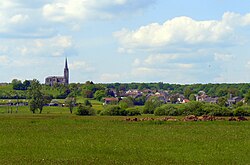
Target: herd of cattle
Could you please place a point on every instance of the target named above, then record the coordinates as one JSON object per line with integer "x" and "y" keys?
{"x": 189, "y": 118}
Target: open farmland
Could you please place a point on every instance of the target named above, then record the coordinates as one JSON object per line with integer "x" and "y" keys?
{"x": 62, "y": 138}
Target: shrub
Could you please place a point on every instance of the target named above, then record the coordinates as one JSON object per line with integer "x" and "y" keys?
{"x": 123, "y": 104}
{"x": 114, "y": 110}
{"x": 135, "y": 111}
{"x": 160, "y": 111}
{"x": 98, "y": 111}
{"x": 151, "y": 104}
{"x": 86, "y": 102}
{"x": 167, "y": 110}
{"x": 242, "y": 111}
{"x": 126, "y": 103}
{"x": 85, "y": 110}
{"x": 223, "y": 111}
{"x": 210, "y": 109}
{"x": 194, "y": 108}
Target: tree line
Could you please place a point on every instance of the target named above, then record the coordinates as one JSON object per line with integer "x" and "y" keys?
{"x": 97, "y": 91}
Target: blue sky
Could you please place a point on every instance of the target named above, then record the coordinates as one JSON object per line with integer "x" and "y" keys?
{"x": 126, "y": 40}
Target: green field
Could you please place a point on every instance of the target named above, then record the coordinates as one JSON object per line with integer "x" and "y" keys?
{"x": 57, "y": 137}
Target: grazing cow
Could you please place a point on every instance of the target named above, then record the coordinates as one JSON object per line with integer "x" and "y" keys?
{"x": 232, "y": 119}
{"x": 172, "y": 119}
{"x": 220, "y": 118}
{"x": 206, "y": 118}
{"x": 190, "y": 118}
{"x": 200, "y": 118}
{"x": 127, "y": 119}
{"x": 135, "y": 119}
{"x": 241, "y": 118}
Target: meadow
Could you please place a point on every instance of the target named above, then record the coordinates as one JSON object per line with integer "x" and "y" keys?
{"x": 57, "y": 137}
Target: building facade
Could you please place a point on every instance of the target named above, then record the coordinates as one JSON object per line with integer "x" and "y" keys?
{"x": 62, "y": 80}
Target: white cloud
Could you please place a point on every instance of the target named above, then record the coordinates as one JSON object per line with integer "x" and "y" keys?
{"x": 185, "y": 66}
{"x": 63, "y": 10}
{"x": 188, "y": 50}
{"x": 109, "y": 77}
{"x": 120, "y": 2}
{"x": 7, "y": 4}
{"x": 181, "y": 31}
{"x": 19, "y": 18}
{"x": 81, "y": 65}
{"x": 4, "y": 59}
{"x": 56, "y": 46}
{"x": 16, "y": 62}
{"x": 223, "y": 57}
{"x": 60, "y": 11}
{"x": 144, "y": 71}
{"x": 171, "y": 75}
{"x": 62, "y": 41}
{"x": 136, "y": 62}
{"x": 160, "y": 58}
{"x": 247, "y": 65}
{"x": 29, "y": 19}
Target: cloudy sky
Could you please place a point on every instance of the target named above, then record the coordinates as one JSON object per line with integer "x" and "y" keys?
{"x": 174, "y": 41}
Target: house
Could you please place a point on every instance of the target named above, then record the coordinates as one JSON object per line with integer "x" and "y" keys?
{"x": 110, "y": 100}
{"x": 211, "y": 100}
{"x": 133, "y": 93}
{"x": 233, "y": 100}
{"x": 4, "y": 84}
{"x": 185, "y": 101}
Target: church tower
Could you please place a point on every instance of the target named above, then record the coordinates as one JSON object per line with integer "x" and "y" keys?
{"x": 66, "y": 73}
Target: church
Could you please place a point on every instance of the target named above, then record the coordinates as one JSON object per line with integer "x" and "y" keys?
{"x": 64, "y": 80}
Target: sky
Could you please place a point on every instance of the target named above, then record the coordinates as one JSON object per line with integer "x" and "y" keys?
{"x": 105, "y": 41}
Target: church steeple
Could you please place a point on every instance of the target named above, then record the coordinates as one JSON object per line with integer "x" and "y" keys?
{"x": 66, "y": 73}
{"x": 66, "y": 63}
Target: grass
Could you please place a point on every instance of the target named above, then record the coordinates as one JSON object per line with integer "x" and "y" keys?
{"x": 61, "y": 138}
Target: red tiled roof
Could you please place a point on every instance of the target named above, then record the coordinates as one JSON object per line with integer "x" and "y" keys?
{"x": 111, "y": 99}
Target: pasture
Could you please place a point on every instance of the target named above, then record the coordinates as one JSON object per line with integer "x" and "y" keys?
{"x": 57, "y": 137}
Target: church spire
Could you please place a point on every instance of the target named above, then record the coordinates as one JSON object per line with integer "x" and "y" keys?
{"x": 66, "y": 63}
{"x": 66, "y": 73}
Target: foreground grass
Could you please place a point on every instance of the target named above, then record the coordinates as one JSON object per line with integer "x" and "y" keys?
{"x": 70, "y": 139}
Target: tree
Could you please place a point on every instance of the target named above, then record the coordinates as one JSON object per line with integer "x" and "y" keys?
{"x": 17, "y": 84}
{"x": 193, "y": 108}
{"x": 174, "y": 98}
{"x": 151, "y": 104}
{"x": 87, "y": 103}
{"x": 221, "y": 92}
{"x": 126, "y": 103}
{"x": 99, "y": 94}
{"x": 187, "y": 92}
{"x": 83, "y": 110}
{"x": 192, "y": 97}
{"x": 140, "y": 100}
{"x": 247, "y": 97}
{"x": 70, "y": 102}
{"x": 47, "y": 98}
{"x": 26, "y": 84}
{"x": 87, "y": 93}
{"x": 36, "y": 96}
{"x": 113, "y": 110}
{"x": 167, "y": 110}
{"x": 222, "y": 101}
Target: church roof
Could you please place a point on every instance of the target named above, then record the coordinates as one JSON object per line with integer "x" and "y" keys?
{"x": 54, "y": 77}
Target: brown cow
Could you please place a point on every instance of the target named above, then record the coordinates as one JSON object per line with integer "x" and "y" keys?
{"x": 190, "y": 118}
{"x": 127, "y": 119}
{"x": 135, "y": 119}
{"x": 232, "y": 119}
{"x": 241, "y": 118}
